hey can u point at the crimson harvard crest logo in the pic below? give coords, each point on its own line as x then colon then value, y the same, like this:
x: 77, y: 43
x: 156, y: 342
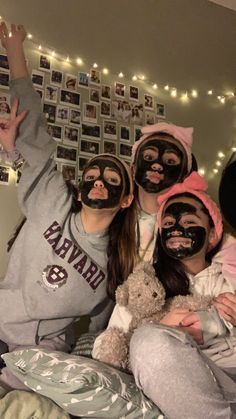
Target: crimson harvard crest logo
x: 54, y: 276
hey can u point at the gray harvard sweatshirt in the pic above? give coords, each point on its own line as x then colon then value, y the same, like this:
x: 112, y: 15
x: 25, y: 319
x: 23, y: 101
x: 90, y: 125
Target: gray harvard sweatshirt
x: 56, y: 272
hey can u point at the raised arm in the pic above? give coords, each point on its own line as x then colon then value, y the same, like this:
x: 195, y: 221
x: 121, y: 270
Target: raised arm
x: 14, y: 47
x: 33, y: 141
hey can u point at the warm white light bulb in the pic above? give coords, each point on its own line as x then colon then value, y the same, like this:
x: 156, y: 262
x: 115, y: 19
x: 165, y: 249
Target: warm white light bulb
x: 67, y: 59
x: 79, y: 61
x: 210, y: 92
x: 194, y: 93
x: 53, y: 53
x: 29, y: 36
x: 134, y: 78
x: 218, y: 163
x: 154, y: 86
x: 215, y: 170
x: 40, y: 47
x: 105, y: 71
x: 95, y: 65
x: 233, y: 148
x: 166, y: 87
x: 173, y: 93
x: 221, y: 155
x: 201, y: 172
x: 222, y: 99
x: 120, y: 75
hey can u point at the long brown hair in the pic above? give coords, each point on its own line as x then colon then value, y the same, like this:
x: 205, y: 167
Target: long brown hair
x: 122, y: 248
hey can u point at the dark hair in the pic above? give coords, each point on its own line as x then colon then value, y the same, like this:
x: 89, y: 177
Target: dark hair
x: 171, y: 272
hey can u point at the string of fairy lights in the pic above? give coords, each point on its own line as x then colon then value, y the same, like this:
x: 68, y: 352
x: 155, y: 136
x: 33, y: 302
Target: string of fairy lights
x: 184, y: 96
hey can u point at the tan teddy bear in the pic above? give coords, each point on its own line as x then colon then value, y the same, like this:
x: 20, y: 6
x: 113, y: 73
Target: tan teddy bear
x: 139, y: 300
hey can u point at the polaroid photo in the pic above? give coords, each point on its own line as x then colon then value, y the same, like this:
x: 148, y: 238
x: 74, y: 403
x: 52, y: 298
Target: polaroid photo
x: 82, y: 163
x: 94, y: 95
x: 37, y: 78
x: 66, y: 153
x: 106, y: 92
x: 50, y: 112
x: 83, y: 79
x: 125, y: 150
x: 5, y: 105
x: 4, y: 80
x: 133, y: 93
x: 91, y: 131
x: 137, y: 132
x: 55, y: 131
x: 51, y: 93
x: 121, y: 110
x: 89, y: 147
x: 109, y: 147
x: 71, y: 135
x: 4, y: 65
x: 56, y: 77
x: 149, y: 118
x: 4, y: 175
x: 44, y: 63
x: 110, y: 129
x: 74, y: 117
x: 69, y: 98
x: 41, y: 93
x: 62, y: 114
x: 125, y: 133
x: 95, y: 76
x: 69, y: 172
x: 119, y: 89
x: 148, y: 101
x: 90, y: 113
x: 70, y: 82
x: 105, y: 110
x: 160, y: 110
x: 137, y: 114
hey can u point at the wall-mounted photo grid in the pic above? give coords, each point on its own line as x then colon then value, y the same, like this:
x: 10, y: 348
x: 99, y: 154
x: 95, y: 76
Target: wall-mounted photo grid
x: 85, y: 114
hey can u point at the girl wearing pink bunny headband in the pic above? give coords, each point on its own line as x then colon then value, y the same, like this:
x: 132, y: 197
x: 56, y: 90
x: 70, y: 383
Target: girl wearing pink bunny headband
x: 190, y: 229
x: 191, y: 354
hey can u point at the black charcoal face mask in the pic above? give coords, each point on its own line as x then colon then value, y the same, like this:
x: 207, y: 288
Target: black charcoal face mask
x: 153, y: 173
x: 177, y: 241
x: 114, y: 191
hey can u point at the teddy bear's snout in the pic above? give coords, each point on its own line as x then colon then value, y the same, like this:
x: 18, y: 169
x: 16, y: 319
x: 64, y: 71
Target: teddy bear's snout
x: 154, y: 294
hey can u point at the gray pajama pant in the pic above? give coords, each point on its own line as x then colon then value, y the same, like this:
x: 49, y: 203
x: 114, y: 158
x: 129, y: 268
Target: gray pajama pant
x: 177, y: 377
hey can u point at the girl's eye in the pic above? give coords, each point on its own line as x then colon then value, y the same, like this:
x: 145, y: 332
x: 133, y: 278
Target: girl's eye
x: 150, y: 155
x: 168, y: 224
x: 171, y: 159
x: 189, y: 222
x: 89, y: 177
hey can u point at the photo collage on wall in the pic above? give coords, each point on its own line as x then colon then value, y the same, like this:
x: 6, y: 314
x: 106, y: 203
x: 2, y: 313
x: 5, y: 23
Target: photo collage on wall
x: 85, y: 114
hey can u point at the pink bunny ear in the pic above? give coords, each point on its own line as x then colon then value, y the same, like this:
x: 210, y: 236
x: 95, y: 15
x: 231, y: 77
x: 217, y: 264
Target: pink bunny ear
x: 195, y: 181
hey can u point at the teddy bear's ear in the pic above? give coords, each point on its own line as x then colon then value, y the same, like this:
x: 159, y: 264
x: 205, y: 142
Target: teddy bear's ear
x: 146, y: 267
x: 122, y: 294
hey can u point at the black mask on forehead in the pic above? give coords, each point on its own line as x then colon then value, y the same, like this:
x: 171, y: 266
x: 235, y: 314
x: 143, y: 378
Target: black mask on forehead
x: 171, y: 173
x: 191, y: 239
x: 114, y: 191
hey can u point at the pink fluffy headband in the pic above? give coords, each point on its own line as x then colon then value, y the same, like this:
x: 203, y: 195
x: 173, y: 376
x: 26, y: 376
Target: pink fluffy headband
x: 195, y: 185
x: 183, y: 135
